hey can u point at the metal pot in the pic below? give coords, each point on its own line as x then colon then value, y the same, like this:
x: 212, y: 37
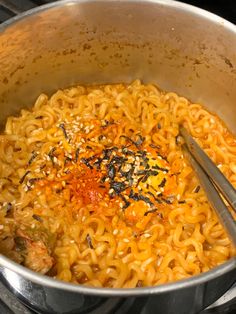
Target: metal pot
x: 180, y: 47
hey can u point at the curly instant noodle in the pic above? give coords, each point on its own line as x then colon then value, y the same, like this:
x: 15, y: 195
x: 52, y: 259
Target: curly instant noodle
x: 96, y: 190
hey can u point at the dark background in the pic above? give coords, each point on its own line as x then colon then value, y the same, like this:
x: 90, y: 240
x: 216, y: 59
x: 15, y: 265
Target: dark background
x: 223, y: 8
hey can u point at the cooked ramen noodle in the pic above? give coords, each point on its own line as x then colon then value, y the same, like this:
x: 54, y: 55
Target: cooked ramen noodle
x: 96, y: 189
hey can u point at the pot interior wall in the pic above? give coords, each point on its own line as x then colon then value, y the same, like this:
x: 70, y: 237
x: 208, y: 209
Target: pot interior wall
x: 96, y: 42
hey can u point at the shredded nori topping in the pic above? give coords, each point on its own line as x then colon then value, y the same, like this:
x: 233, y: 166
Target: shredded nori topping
x: 62, y: 127
x: 111, y: 171
x: 137, y: 143
x: 140, y: 197
x: 34, y: 155
x: 126, y: 203
x: 162, y: 184
x: 197, y: 189
x: 160, y: 168
x: 86, y: 162
x: 77, y: 154
x: 167, y: 200
x: 51, y: 154
x: 24, y: 176
x: 155, y: 198
x: 150, y: 211
x: 89, y: 241
x: 37, y: 217
x: 118, y: 187
x: 31, y: 181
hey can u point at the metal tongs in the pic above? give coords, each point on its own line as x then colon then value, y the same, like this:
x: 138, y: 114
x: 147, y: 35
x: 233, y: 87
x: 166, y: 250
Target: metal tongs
x: 213, y: 182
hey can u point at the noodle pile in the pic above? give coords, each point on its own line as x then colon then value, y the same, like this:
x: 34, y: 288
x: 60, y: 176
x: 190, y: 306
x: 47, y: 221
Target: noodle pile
x: 96, y: 190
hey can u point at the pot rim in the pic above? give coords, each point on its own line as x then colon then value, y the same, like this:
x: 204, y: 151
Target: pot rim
x: 116, y: 292
x: 121, y: 292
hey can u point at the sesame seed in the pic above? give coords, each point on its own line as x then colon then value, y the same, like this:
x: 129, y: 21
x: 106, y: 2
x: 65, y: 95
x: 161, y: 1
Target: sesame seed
x: 147, y: 235
x: 115, y: 231
x: 126, y: 240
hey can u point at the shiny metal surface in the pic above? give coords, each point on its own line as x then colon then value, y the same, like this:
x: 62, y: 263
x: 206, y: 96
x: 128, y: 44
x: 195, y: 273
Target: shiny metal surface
x: 222, y: 183
x: 214, y: 198
x: 58, y: 301
x: 182, y: 48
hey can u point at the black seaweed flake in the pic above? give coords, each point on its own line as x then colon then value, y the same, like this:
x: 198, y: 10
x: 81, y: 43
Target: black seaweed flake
x: 197, y: 189
x: 108, y: 151
x: 102, y: 186
x: 39, y: 117
x: 160, y: 168
x: 142, y: 154
x: 167, y: 200
x: 130, y: 140
x: 162, y: 157
x: 62, y: 127
x: 89, y: 241
x: 163, y: 183
x: 159, y: 125
x: 107, y: 123
x: 140, y: 197
x: 182, y: 202
x: 37, y: 217
x: 128, y: 175
x: 118, y: 187
x: 140, y: 140
x: 155, y: 146
x: 118, y: 160
x: 126, y: 203
x: 34, y: 155
x: 126, y: 151
x: 86, y: 162
x: 148, y: 174
x: 155, y: 198
x: 145, y: 199
x: 141, y: 172
x: 51, y: 154
x: 175, y: 174
x: 150, y: 211
x: 67, y: 159
x: 9, y: 207
x: 98, y: 162
x: 77, y: 154
x: 111, y: 171
x: 103, y: 179
x: 24, y: 176
x: 31, y: 181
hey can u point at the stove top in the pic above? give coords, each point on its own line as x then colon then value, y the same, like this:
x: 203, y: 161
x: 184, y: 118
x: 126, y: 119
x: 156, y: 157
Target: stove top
x: 9, y: 304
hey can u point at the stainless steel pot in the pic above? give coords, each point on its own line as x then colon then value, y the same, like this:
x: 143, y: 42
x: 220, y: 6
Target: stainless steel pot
x: 180, y: 47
